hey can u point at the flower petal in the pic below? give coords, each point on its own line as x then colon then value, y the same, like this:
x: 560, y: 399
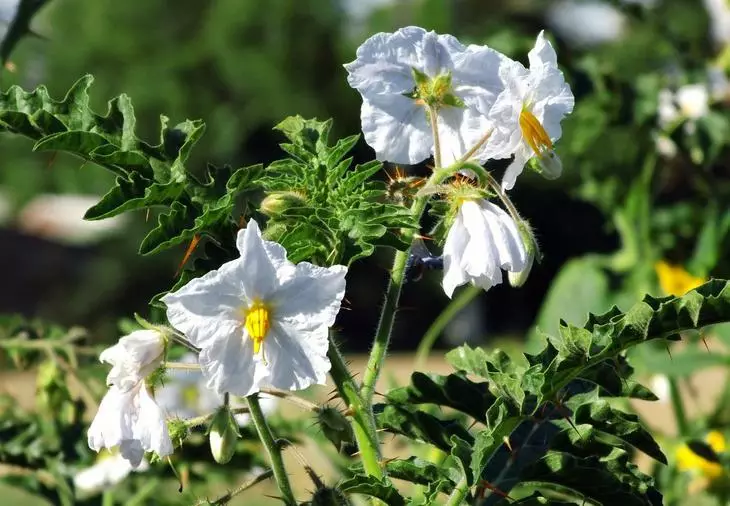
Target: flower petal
x: 396, y: 128
x: 229, y: 365
x: 312, y: 297
x: 522, y: 155
x: 151, y: 427
x: 133, y: 358
x: 460, y: 129
x: 543, y: 52
x: 297, y: 357
x: 456, y: 241
x: 262, y: 263
x: 511, y: 253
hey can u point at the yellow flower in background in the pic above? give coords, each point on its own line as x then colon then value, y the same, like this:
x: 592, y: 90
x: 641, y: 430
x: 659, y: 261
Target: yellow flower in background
x: 675, y: 280
x: 706, y: 467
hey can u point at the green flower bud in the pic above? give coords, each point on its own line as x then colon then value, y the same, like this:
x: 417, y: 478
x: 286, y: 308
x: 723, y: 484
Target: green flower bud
x: 277, y: 203
x: 517, y: 279
x: 223, y: 435
x: 178, y: 430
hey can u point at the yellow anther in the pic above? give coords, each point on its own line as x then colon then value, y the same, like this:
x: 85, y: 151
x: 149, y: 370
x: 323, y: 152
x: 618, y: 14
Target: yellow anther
x: 257, y: 324
x: 534, y: 133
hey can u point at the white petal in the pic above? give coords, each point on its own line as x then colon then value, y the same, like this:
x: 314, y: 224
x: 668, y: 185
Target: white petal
x: 511, y: 252
x: 456, y: 241
x: 522, y: 155
x: 543, y: 52
x: 133, y: 358
x: 396, y: 128
x: 111, y: 425
x: 208, y: 307
x: 263, y: 263
x: 460, y: 129
x: 297, y: 357
x: 480, y: 259
x: 476, y: 77
x: 385, y: 61
x: 151, y: 427
x: 312, y: 297
x: 228, y: 364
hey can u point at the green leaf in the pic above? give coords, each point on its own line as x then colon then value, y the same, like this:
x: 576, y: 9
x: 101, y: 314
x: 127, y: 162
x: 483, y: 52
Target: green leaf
x: 420, y: 426
x: 173, y: 227
x: 455, y: 391
x: 373, y: 487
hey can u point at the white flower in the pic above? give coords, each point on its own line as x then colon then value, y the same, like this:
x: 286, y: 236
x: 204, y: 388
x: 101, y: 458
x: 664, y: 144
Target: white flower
x: 690, y: 102
x: 186, y: 395
x: 527, y: 114
x: 481, y: 242
x: 395, y: 120
x: 260, y: 320
x: 107, y: 471
x: 133, y: 358
x: 586, y: 22
x: 661, y: 388
x: 132, y: 421
x: 719, y: 14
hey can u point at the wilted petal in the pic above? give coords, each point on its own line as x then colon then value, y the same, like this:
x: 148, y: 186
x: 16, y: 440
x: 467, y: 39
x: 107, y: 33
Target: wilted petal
x: 133, y: 358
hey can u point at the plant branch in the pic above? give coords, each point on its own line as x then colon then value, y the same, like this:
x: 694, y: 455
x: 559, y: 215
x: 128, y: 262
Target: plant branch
x: 225, y: 499
x: 272, y: 449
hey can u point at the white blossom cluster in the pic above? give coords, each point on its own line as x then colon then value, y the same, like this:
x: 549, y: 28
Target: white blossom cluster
x: 260, y: 321
x: 426, y: 94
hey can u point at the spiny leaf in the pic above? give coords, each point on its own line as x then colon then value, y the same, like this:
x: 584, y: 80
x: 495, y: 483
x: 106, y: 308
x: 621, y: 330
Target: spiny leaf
x: 455, y: 391
x: 420, y: 426
x: 373, y: 487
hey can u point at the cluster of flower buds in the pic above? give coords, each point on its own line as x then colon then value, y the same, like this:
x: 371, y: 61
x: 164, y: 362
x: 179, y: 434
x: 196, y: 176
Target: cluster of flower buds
x: 427, y: 95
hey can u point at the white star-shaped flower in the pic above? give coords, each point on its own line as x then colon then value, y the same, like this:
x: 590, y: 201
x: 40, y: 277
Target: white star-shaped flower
x: 132, y: 421
x: 260, y: 320
x: 133, y: 358
x: 462, y: 80
x: 481, y: 242
x: 527, y: 114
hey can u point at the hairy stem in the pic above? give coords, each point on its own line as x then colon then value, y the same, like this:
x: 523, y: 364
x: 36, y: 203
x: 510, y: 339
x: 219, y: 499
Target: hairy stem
x: 272, y: 449
x: 362, y: 417
x: 434, y: 331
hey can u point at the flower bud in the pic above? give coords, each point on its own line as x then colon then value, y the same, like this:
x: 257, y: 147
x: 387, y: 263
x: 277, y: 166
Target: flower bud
x: 276, y: 203
x: 223, y: 435
x: 517, y: 279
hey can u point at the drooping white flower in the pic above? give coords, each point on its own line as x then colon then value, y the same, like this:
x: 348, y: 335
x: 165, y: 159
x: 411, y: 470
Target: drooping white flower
x: 133, y: 358
x: 185, y: 394
x: 481, y: 242
x: 109, y: 469
x: 260, y: 320
x: 527, y: 114
x: 399, y: 74
x: 132, y: 421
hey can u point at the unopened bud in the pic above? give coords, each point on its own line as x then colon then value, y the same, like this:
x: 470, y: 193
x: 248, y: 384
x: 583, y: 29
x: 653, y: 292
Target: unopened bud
x: 518, y: 278
x: 178, y: 430
x: 547, y: 164
x: 276, y: 203
x: 223, y: 435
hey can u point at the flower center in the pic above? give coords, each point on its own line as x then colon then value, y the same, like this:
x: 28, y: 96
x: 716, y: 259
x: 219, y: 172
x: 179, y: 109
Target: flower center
x: 258, y: 322
x: 191, y: 396
x: 534, y: 134
x: 433, y: 92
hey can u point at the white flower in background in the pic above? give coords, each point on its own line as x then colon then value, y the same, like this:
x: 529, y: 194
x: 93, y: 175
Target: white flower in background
x: 61, y: 218
x: 527, y: 114
x: 132, y: 421
x: 260, y: 320
x: 184, y: 394
x: 481, y: 242
x: 690, y: 102
x: 108, y: 470
x: 133, y: 358
x: 399, y: 74
x: 660, y: 387
x: 586, y: 23
x: 719, y: 13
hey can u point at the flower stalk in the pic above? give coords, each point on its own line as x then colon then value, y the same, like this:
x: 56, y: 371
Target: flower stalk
x: 272, y: 449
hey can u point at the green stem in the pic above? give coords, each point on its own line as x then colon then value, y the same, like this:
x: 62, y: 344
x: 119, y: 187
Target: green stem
x: 434, y: 331
x: 363, y: 420
x: 272, y: 449
x: 678, y: 407
x: 459, y: 493
x: 397, y: 278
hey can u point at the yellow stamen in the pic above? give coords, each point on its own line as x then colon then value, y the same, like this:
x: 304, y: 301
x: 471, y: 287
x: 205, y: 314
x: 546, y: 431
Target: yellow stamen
x: 258, y: 324
x: 534, y: 133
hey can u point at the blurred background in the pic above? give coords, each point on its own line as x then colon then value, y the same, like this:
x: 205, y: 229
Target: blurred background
x: 644, y: 153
